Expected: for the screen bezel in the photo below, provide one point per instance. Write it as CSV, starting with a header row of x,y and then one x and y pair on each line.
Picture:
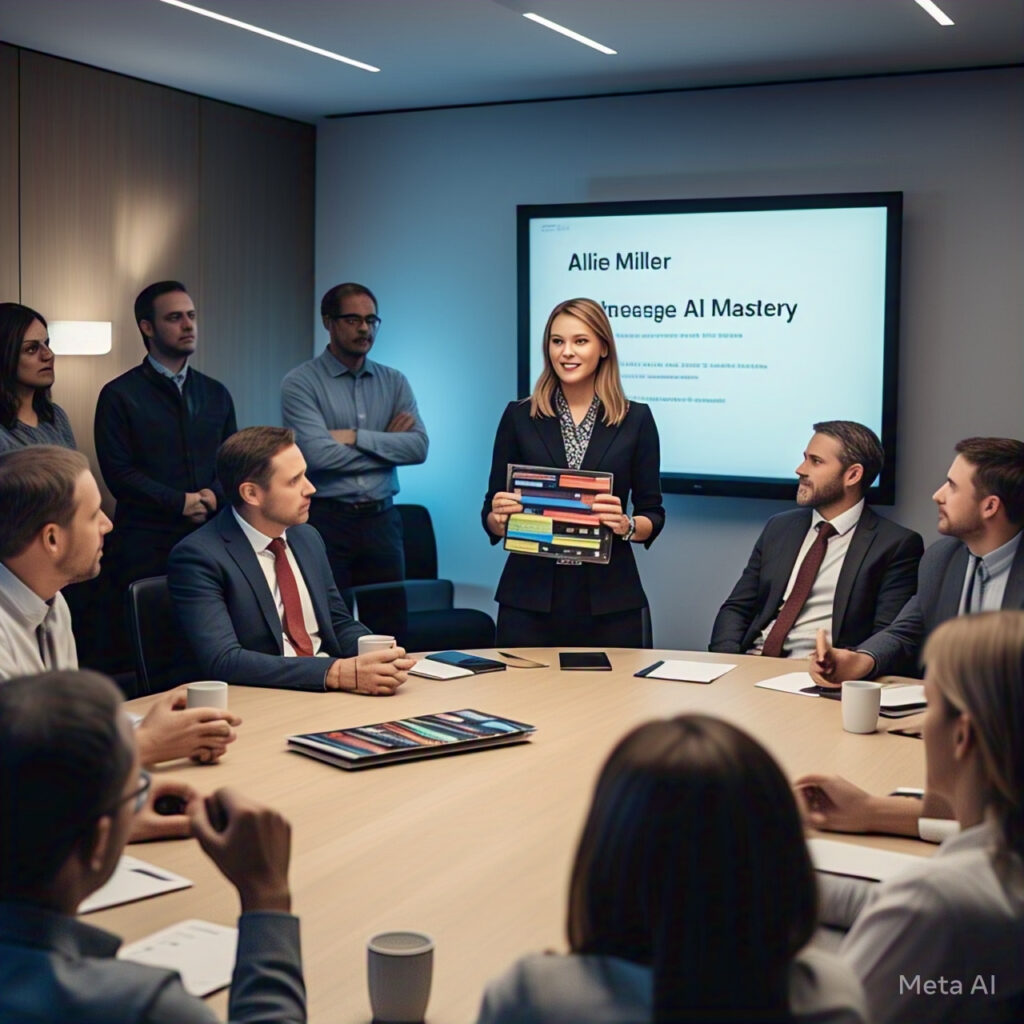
x,y
883,492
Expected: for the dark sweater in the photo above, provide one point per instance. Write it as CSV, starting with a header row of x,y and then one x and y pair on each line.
x,y
154,445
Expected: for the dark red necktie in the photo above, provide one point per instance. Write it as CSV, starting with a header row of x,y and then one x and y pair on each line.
x,y
294,624
794,604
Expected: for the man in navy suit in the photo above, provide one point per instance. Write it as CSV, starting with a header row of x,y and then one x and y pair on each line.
x,y
831,564
253,589
978,566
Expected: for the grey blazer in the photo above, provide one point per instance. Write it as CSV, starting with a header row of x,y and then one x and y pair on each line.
x,y
940,581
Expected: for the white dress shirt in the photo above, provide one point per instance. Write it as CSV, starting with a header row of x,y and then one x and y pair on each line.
x,y
817,610
260,543
23,649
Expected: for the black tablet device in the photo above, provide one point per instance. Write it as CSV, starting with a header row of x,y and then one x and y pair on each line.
x,y
584,661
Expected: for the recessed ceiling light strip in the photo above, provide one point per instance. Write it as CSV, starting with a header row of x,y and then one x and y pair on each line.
x,y
555,27
269,35
933,9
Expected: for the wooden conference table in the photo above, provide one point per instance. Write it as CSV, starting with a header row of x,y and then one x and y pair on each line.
x,y
473,849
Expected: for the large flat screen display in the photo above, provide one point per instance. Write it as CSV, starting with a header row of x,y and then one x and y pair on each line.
x,y
741,322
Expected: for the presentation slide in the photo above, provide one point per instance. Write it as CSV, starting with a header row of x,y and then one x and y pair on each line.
x,y
740,328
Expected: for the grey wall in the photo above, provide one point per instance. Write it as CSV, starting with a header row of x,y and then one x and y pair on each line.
x,y
108,183
421,207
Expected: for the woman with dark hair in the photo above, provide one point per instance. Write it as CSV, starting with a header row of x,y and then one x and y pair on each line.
x,y
578,417
945,941
692,896
27,416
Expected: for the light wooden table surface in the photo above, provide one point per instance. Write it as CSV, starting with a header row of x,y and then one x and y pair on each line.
x,y
473,849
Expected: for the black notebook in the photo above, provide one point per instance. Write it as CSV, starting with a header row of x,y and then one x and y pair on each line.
x,y
407,739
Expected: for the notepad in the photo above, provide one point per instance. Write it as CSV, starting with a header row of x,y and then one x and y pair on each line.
x,y
437,670
686,671
133,879
854,861
201,952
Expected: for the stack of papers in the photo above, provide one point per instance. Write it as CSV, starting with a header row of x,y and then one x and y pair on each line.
x,y
201,952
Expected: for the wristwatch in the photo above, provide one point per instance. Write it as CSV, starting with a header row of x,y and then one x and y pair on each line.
x,y
628,535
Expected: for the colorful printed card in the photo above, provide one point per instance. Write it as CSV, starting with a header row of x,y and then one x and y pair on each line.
x,y
556,521
449,732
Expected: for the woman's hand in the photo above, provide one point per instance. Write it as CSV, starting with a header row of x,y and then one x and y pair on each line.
x,y
503,505
608,508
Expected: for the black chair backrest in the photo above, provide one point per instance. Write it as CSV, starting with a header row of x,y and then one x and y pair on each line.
x,y
163,658
418,543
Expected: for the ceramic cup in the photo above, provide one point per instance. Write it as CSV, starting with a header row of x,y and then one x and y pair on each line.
x,y
399,969
861,701
375,642
207,693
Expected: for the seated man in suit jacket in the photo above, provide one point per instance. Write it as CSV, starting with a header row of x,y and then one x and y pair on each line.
x,y
253,590
978,566
831,564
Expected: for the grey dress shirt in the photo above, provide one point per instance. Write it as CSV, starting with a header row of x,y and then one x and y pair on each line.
x,y
56,969
25,649
324,395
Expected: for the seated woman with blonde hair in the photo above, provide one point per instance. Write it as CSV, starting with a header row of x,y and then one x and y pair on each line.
x,y
692,896
945,941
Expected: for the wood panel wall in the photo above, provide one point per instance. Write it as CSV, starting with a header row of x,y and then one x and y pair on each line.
x,y
8,174
124,183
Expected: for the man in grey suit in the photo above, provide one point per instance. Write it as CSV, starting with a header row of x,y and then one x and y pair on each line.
x,y
66,810
253,590
977,566
831,564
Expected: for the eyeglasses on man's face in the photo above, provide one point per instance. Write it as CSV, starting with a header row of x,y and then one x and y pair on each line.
x,y
354,320
138,795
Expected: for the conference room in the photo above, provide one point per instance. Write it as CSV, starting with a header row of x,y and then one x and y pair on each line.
x,y
157,143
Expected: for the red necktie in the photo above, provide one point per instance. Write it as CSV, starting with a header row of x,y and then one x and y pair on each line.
x,y
294,624
805,578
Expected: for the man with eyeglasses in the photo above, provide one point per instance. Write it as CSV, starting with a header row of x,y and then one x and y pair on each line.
x,y
355,421
67,808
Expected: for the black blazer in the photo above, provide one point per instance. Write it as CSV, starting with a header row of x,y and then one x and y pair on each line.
x,y
631,451
879,575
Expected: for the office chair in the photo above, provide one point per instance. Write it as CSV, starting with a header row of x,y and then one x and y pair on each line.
x,y
418,611
163,658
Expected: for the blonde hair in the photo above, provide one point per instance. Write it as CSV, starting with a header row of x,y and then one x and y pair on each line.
x,y
977,663
608,383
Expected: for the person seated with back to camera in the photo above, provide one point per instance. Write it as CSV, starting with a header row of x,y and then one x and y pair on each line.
x,y
66,810
692,897
253,590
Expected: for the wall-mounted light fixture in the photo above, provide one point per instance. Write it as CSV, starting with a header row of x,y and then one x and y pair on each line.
x,y
80,337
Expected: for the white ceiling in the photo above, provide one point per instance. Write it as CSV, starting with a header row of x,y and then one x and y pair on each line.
x,y
444,52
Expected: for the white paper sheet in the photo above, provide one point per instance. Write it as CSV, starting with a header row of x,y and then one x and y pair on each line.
x,y
689,671
201,952
857,861
791,682
133,879
437,670
894,697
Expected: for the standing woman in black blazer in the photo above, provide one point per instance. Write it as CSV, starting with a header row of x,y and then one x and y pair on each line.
x,y
578,418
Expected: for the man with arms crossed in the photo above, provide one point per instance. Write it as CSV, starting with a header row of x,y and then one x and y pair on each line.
x,y
53,536
66,811
832,564
355,421
977,566
157,431
253,590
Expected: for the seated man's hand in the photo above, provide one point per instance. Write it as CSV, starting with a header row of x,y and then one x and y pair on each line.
x,y
170,730
249,843
831,666
376,674
831,803
150,824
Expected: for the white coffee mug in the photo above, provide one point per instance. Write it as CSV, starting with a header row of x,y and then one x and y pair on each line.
x,y
399,968
207,693
375,642
861,702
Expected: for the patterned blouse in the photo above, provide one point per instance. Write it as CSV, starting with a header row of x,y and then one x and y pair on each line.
x,y
575,438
